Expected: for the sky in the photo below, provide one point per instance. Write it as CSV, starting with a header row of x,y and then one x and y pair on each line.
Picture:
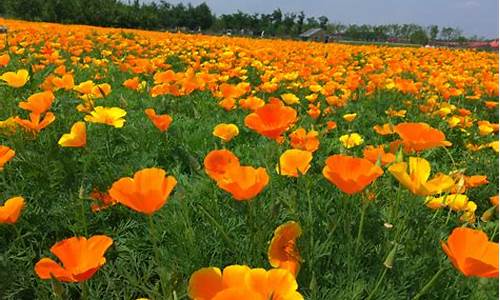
x,y
474,17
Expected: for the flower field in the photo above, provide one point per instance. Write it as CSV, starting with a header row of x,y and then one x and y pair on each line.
x,y
158,165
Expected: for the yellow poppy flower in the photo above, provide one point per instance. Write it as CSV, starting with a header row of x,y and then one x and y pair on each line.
x,y
351,140
226,132
76,138
415,174
112,116
16,79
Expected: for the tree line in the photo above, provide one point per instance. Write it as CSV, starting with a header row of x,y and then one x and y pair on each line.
x,y
111,13
162,15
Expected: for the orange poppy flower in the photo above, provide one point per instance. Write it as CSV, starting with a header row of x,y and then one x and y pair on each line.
x,y
463,182
84,87
350,174
61,70
147,192
282,252
217,162
101,90
35,123
494,200
4,59
243,182
420,136
252,103
6,154
16,79
293,162
11,209
242,283
314,111
65,82
471,253
76,138
330,125
272,119
80,258
227,103
384,129
490,104
309,141
38,103
162,122
226,132
373,154
134,84
228,91
103,200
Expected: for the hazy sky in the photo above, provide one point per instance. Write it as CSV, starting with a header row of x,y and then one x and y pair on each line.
x,y
479,17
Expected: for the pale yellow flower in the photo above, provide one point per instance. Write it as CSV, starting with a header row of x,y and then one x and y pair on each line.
x,y
351,140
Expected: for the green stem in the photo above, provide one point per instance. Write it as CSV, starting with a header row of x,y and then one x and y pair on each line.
x,y
310,220
395,207
349,207
451,157
278,149
85,290
83,218
361,223
494,231
57,289
429,284
379,281
448,216
156,250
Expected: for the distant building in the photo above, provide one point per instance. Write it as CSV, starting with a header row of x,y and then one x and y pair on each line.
x,y
491,45
314,34
494,44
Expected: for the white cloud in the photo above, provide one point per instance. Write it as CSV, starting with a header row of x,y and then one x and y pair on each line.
x,y
469,4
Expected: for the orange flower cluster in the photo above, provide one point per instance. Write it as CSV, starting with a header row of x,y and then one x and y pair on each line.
x,y
242,282
350,174
272,120
471,253
80,257
147,192
242,182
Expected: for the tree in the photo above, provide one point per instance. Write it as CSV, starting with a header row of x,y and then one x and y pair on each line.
x,y
336,27
433,32
276,16
24,9
288,23
203,16
300,22
446,33
419,37
311,22
323,21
